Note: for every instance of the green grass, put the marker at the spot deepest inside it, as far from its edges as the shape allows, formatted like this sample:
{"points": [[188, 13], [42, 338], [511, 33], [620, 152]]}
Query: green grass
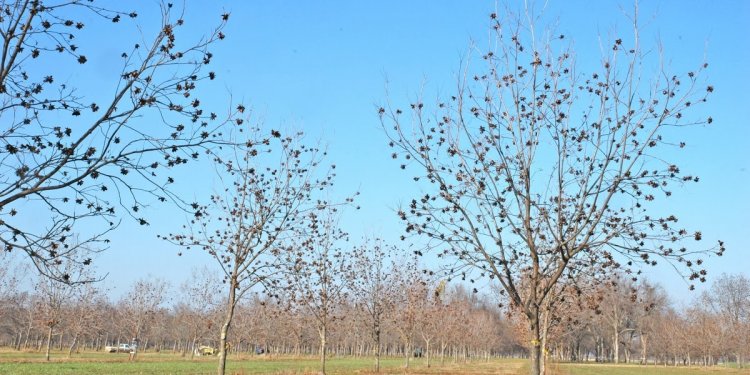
{"points": [[89, 363], [33, 363], [633, 369]]}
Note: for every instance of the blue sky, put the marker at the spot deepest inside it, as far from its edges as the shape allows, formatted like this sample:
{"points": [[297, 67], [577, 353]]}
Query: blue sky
{"points": [[323, 67]]}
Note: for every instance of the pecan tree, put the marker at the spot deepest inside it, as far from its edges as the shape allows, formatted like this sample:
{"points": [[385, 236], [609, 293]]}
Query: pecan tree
{"points": [[74, 159], [534, 171]]}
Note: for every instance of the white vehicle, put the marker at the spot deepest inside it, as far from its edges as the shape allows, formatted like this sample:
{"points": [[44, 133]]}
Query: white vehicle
{"points": [[122, 348]]}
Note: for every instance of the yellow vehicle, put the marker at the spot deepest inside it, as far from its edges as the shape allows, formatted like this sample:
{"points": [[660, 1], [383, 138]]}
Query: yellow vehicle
{"points": [[205, 350]]}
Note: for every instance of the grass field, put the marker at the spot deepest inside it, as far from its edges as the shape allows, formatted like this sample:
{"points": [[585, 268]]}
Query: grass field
{"points": [[90, 363], [33, 363], [609, 369]]}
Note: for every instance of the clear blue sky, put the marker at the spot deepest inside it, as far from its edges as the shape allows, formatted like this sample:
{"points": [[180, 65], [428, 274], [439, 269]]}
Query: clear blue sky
{"points": [[322, 67]]}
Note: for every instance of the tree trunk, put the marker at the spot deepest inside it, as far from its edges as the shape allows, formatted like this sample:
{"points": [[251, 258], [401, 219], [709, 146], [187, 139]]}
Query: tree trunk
{"points": [[377, 350], [543, 348], [49, 343], [536, 345], [193, 348], [616, 346], [443, 345], [133, 350], [407, 353], [323, 337], [135, 343], [225, 327], [73, 345], [427, 344]]}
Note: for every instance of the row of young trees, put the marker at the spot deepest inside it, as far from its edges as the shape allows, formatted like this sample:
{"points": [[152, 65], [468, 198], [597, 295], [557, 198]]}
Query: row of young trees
{"points": [[534, 175], [90, 162], [635, 322], [413, 316]]}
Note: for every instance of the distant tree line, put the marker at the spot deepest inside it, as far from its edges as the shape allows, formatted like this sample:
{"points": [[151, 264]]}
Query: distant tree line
{"points": [[458, 324], [617, 321], [625, 321]]}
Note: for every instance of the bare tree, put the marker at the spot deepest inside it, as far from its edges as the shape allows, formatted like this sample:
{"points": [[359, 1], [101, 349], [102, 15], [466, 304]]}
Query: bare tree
{"points": [[535, 170], [84, 159], [372, 287], [197, 302], [12, 300], [729, 299], [429, 323], [651, 303], [54, 296], [617, 307], [411, 289], [250, 226], [81, 313], [706, 340], [316, 273], [139, 309]]}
